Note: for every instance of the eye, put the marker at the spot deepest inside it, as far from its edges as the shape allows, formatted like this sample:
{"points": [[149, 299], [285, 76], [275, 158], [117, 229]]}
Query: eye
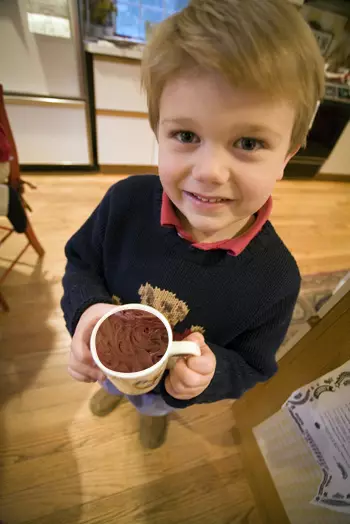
{"points": [[186, 137], [249, 144]]}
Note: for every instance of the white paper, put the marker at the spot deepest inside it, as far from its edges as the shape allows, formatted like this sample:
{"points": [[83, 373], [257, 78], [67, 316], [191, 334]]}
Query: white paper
{"points": [[49, 17], [294, 471], [49, 25], [321, 411]]}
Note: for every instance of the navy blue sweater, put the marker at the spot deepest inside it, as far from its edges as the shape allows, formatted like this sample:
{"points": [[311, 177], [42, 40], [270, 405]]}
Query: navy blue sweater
{"points": [[242, 304]]}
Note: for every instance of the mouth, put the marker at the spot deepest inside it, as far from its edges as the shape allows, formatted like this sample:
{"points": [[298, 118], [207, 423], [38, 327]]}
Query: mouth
{"points": [[208, 200]]}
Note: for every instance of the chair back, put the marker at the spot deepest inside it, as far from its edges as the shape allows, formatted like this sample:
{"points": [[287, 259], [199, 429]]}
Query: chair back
{"points": [[15, 176]]}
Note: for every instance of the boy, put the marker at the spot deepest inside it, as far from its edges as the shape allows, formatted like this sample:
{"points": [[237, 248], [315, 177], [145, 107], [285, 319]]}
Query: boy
{"points": [[232, 87]]}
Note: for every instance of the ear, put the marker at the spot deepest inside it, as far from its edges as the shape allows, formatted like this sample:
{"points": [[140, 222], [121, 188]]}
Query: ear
{"points": [[290, 155], [287, 159]]}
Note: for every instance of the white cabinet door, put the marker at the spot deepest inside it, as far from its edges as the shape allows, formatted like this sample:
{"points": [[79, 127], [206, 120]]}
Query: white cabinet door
{"points": [[117, 86], [50, 134], [124, 140]]}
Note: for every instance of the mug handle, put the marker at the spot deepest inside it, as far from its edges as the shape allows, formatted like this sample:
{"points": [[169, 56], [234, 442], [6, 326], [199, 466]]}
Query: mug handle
{"points": [[184, 348]]}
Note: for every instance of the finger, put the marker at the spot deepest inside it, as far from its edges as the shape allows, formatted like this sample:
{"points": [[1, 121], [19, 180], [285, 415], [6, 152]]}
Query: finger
{"points": [[196, 337], [86, 370], [186, 376], [204, 365], [79, 376], [178, 391], [86, 333], [82, 353], [88, 326]]}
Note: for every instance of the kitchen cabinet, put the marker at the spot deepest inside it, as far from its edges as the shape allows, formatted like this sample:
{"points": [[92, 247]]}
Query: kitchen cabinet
{"points": [[124, 136], [49, 132], [123, 140], [117, 85]]}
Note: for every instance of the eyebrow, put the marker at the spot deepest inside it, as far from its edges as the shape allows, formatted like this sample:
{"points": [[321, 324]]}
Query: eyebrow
{"points": [[179, 121], [257, 129]]}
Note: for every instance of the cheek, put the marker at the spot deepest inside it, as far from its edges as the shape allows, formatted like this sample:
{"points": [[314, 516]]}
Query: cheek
{"points": [[171, 169], [167, 170], [259, 180], [165, 163]]}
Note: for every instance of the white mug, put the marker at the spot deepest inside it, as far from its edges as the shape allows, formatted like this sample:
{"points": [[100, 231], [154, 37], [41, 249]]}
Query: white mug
{"points": [[141, 382]]}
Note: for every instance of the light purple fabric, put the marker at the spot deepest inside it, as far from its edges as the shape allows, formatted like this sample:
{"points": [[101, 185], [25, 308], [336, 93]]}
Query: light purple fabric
{"points": [[148, 404]]}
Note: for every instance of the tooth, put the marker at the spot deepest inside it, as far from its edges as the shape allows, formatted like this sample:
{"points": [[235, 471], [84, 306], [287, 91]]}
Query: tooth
{"points": [[210, 200]]}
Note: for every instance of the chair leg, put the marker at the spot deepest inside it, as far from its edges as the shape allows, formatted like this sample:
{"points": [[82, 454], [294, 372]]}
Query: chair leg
{"points": [[33, 240], [3, 303]]}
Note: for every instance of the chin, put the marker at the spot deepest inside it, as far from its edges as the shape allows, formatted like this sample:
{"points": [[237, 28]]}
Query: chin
{"points": [[207, 227]]}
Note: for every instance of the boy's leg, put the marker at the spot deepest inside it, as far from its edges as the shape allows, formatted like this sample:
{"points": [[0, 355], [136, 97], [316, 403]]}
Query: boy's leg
{"points": [[152, 408], [154, 419], [153, 431], [105, 400]]}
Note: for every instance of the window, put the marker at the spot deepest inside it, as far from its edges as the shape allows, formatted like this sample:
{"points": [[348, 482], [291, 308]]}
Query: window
{"points": [[134, 16]]}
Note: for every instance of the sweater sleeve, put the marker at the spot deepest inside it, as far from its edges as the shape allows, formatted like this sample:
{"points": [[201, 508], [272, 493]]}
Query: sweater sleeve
{"points": [[247, 360], [83, 281]]}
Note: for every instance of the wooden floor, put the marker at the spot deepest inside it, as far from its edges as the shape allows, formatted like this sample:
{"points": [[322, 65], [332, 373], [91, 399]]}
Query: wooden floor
{"points": [[313, 219], [59, 464]]}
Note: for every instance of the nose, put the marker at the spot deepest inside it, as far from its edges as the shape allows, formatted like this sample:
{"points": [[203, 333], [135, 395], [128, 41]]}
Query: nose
{"points": [[211, 165]]}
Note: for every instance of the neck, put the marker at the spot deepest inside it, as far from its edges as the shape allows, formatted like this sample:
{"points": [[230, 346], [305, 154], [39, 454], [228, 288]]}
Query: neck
{"points": [[234, 230]]}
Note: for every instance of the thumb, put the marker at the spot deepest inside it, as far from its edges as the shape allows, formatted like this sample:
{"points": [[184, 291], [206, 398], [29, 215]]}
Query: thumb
{"points": [[196, 337]]}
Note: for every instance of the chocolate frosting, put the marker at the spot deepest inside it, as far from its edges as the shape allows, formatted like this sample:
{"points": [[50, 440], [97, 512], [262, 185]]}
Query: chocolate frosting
{"points": [[131, 340]]}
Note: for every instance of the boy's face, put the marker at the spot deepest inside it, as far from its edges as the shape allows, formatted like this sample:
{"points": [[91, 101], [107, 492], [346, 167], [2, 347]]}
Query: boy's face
{"points": [[222, 143]]}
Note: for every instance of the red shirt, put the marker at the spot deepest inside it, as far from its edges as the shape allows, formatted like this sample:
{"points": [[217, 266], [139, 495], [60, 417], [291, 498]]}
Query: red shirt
{"points": [[234, 246], [4, 146]]}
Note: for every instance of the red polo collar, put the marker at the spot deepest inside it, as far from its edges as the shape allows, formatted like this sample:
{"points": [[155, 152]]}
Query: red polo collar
{"points": [[234, 246]]}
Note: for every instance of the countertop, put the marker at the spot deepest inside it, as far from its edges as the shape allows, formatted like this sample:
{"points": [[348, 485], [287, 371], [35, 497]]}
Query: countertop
{"points": [[103, 47]]}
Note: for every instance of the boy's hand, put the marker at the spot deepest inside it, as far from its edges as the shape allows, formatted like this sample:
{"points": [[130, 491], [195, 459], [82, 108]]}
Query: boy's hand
{"points": [[191, 376], [81, 364]]}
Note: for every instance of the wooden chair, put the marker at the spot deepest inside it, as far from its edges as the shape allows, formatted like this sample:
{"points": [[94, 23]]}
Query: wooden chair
{"points": [[17, 183]]}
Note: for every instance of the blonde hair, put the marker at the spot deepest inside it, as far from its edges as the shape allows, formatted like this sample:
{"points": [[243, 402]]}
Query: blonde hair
{"points": [[259, 44]]}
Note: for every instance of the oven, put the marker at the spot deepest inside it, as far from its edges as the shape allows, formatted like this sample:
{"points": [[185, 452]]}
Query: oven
{"points": [[330, 121]]}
